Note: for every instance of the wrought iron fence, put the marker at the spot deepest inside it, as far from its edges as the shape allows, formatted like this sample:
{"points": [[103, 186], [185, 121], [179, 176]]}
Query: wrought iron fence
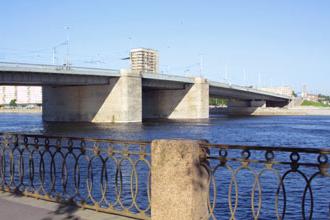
{"points": [[114, 176], [99, 174], [268, 182]]}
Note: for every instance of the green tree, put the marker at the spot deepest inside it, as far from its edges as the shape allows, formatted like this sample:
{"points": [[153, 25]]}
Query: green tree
{"points": [[13, 103], [294, 94]]}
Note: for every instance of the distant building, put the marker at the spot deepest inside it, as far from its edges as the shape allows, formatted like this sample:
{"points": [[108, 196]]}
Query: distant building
{"points": [[282, 90], [311, 97], [144, 60], [24, 95]]}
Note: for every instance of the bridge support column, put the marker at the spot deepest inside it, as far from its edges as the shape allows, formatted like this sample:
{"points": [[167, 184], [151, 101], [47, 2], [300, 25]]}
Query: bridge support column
{"points": [[191, 102], [119, 101]]}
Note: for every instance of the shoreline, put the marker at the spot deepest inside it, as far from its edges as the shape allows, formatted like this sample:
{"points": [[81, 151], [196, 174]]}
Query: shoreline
{"points": [[18, 110], [293, 111]]}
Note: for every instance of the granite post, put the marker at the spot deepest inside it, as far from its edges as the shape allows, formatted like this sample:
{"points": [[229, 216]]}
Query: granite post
{"points": [[179, 183]]}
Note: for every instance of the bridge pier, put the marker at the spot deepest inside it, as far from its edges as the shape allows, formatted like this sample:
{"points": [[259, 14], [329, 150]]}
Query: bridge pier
{"points": [[118, 101], [191, 102]]}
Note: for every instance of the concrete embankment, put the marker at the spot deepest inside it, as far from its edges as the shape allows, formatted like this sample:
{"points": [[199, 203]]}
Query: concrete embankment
{"points": [[21, 110], [302, 110]]}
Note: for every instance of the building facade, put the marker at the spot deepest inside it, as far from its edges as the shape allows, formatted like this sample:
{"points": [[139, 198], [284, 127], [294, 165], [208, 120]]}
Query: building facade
{"points": [[24, 95], [311, 97], [144, 60]]}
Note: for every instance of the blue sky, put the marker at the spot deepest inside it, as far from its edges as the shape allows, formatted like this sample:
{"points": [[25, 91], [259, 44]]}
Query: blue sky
{"points": [[270, 43]]}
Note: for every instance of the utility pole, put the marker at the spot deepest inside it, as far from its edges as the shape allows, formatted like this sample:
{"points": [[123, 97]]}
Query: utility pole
{"points": [[201, 65], [226, 73], [54, 55], [54, 49], [67, 47], [244, 77]]}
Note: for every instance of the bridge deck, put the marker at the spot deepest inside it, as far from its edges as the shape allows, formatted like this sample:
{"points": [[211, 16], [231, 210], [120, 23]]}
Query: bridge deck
{"points": [[34, 74]]}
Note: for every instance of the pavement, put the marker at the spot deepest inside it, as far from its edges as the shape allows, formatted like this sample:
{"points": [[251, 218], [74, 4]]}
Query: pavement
{"points": [[14, 207]]}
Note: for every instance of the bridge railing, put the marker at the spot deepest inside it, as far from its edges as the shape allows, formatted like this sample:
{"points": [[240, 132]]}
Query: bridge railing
{"points": [[104, 175], [267, 182], [57, 67]]}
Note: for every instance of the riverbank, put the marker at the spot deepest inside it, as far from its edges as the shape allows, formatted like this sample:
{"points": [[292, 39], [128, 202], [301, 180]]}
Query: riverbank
{"points": [[294, 111], [21, 110]]}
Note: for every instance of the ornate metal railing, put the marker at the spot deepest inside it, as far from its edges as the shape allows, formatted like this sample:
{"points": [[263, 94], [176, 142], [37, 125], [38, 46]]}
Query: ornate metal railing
{"points": [[268, 182], [99, 174], [113, 176]]}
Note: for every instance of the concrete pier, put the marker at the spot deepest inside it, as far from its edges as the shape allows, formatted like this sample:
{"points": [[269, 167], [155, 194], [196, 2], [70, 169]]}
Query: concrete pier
{"points": [[119, 101], [191, 102]]}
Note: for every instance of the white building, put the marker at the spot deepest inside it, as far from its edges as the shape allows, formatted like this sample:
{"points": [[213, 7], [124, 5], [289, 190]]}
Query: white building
{"points": [[144, 60], [24, 95]]}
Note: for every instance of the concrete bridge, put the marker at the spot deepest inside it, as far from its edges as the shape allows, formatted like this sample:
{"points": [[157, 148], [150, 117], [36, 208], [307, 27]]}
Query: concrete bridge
{"points": [[106, 95]]}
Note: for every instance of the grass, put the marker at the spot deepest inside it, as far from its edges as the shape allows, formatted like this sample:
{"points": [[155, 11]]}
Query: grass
{"points": [[315, 104]]}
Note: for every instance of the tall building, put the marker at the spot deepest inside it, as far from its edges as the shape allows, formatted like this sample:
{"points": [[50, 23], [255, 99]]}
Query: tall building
{"points": [[144, 60]]}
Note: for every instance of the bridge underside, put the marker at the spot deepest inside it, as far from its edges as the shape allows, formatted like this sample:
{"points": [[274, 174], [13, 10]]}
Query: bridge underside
{"points": [[228, 93]]}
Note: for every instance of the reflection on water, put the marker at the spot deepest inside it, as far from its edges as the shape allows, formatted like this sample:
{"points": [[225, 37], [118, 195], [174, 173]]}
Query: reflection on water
{"points": [[300, 131]]}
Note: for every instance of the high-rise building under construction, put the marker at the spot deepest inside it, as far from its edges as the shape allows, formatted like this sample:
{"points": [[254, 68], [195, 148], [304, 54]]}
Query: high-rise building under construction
{"points": [[144, 60]]}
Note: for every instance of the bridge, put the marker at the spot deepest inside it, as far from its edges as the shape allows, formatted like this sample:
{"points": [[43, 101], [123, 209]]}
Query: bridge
{"points": [[107, 95]]}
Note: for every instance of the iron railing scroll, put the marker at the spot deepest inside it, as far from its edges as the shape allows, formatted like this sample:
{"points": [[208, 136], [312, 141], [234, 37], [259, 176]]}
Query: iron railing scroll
{"points": [[99, 174], [268, 182]]}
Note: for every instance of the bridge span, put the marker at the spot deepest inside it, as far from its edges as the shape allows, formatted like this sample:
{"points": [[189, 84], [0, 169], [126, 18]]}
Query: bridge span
{"points": [[107, 95]]}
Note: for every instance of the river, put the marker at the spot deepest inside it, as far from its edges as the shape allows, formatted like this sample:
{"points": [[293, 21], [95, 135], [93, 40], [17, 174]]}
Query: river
{"points": [[298, 131], [290, 131]]}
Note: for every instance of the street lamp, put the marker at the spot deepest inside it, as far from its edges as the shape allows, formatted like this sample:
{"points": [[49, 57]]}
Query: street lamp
{"points": [[55, 50]]}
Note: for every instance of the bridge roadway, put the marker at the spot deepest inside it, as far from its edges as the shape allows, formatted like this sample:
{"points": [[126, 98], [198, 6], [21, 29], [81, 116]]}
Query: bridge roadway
{"points": [[67, 91]]}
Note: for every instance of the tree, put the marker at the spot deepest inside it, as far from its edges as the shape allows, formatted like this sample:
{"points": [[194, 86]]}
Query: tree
{"points": [[13, 103], [294, 94]]}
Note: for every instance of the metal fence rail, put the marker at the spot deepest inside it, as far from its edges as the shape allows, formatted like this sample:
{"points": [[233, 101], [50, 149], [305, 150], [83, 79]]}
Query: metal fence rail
{"points": [[104, 175], [268, 182], [114, 176]]}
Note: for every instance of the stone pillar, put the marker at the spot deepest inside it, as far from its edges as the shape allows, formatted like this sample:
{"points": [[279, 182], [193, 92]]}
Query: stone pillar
{"points": [[179, 184], [119, 101], [191, 102]]}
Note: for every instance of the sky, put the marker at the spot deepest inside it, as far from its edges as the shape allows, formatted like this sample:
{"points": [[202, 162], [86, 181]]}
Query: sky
{"points": [[245, 42]]}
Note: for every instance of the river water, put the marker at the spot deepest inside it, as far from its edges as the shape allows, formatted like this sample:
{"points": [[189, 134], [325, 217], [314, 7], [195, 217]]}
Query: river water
{"points": [[290, 131], [299, 131]]}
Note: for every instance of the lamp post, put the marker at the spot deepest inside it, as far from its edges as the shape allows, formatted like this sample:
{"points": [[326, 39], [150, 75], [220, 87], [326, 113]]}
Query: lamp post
{"points": [[55, 50]]}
